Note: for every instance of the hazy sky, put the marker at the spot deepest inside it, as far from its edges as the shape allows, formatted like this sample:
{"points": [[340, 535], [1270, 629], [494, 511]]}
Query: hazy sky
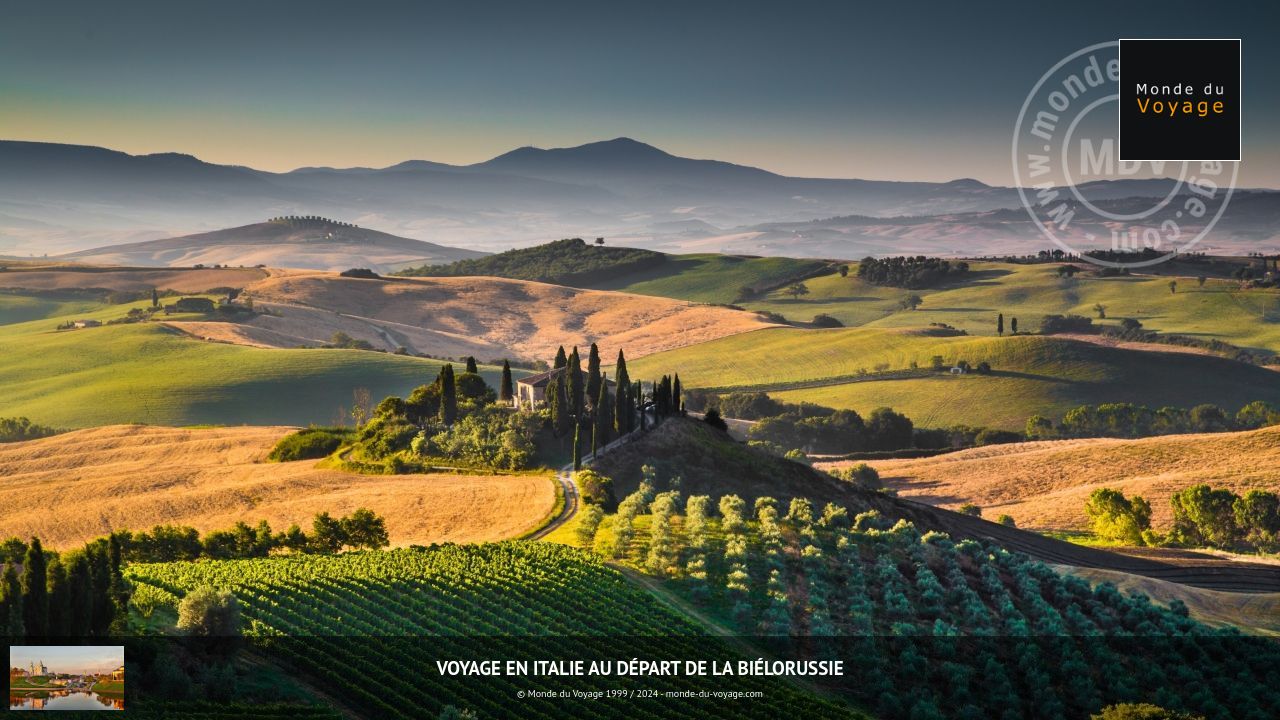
{"points": [[878, 90], [74, 659]]}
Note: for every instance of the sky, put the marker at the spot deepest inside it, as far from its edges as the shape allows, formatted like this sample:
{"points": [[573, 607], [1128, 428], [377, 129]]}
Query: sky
{"points": [[75, 659], [898, 91]]}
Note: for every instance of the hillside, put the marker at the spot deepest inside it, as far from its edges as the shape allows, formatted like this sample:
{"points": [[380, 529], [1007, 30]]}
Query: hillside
{"points": [[312, 244], [1220, 308], [709, 462], [489, 318], [1044, 485], [134, 477], [712, 278], [564, 262], [152, 373], [1031, 374]]}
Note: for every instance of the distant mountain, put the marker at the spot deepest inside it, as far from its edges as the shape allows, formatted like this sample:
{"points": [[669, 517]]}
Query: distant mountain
{"points": [[65, 198], [1250, 224], [316, 244]]}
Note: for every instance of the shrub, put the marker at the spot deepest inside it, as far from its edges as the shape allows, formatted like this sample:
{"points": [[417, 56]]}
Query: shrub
{"points": [[823, 320], [992, 436], [209, 613], [712, 418], [1115, 517], [970, 509], [862, 475], [309, 444], [1051, 324], [595, 489], [1140, 711], [1006, 520]]}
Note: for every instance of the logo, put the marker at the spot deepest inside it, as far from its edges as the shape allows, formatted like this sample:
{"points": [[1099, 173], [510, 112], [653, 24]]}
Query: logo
{"points": [[1082, 196]]}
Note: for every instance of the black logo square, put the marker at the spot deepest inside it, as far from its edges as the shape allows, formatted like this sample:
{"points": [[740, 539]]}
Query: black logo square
{"points": [[1180, 100]]}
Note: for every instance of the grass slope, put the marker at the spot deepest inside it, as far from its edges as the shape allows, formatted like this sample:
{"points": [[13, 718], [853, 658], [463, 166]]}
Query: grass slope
{"points": [[150, 373], [1249, 318], [1032, 374], [709, 277], [24, 308]]}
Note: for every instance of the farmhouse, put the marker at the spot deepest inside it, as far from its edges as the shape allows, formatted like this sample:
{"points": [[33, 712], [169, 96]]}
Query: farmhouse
{"points": [[531, 390], [88, 323], [191, 304], [118, 674]]}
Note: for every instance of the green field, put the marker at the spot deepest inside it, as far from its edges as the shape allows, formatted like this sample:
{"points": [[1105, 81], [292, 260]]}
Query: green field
{"points": [[150, 373], [22, 308], [369, 627], [1031, 374], [710, 278], [1248, 318]]}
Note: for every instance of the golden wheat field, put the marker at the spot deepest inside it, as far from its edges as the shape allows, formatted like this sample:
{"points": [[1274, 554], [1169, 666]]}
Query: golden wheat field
{"points": [[1044, 485], [481, 316], [80, 485]]}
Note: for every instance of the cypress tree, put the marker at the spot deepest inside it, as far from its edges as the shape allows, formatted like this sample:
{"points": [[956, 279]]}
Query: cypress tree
{"points": [[80, 589], [448, 395], [576, 386], [623, 410], [604, 419], [644, 417], [11, 602], [677, 401], [59, 598], [1013, 326], [471, 365], [102, 604], [593, 373], [561, 361], [1000, 324], [558, 405], [577, 446], [637, 403], [505, 390], [155, 298], [35, 591]]}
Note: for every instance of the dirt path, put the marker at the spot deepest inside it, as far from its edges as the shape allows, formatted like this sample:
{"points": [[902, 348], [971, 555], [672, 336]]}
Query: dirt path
{"points": [[565, 478]]}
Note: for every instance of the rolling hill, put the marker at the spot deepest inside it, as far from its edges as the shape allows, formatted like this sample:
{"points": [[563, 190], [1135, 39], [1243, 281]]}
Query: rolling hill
{"points": [[1031, 374], [210, 478], [704, 277], [487, 317], [311, 244], [1044, 485], [1221, 308], [152, 373], [709, 462]]}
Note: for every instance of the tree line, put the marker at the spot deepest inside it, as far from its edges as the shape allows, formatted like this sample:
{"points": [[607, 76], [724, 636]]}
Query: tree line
{"points": [[362, 529], [1203, 516], [913, 272], [1127, 420], [80, 593]]}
